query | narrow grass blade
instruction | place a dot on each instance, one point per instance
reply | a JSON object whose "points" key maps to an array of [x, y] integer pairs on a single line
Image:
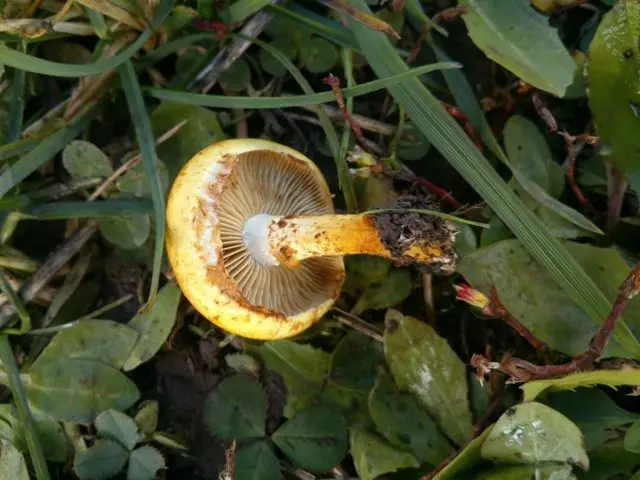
{"points": [[221, 101], [241, 10], [171, 47], [10, 293], [106, 208], [29, 63], [43, 152], [147, 143], [447, 136], [98, 22], [17, 104]]}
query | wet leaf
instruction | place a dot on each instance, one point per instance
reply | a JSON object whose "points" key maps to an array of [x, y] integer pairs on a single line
{"points": [[530, 295], [78, 390], [236, 409], [547, 472], [103, 460], [614, 93], [237, 77], [144, 463], [355, 361], [126, 232], [632, 438], [424, 364], [592, 410], [302, 368], [532, 433], [608, 460], [119, 427], [83, 159], [404, 423], [315, 438], [104, 341], [257, 462], [469, 457], [270, 63], [319, 55], [364, 270], [374, 457], [154, 326], [393, 290], [147, 416], [12, 463], [520, 39]]}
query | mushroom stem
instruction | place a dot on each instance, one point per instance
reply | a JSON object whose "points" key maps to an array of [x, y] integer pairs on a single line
{"points": [[286, 241]]}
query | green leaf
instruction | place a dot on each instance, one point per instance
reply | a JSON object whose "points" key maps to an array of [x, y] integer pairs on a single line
{"points": [[632, 438], [355, 361], [119, 427], [467, 458], [78, 390], [363, 271], [533, 299], [170, 440], [240, 10], [319, 55], [424, 364], [270, 64], [257, 462], [393, 290], [374, 457], [147, 416], [236, 409], [126, 232], [612, 378], [83, 159], [612, 77], [448, 137], [532, 433], [135, 182], [154, 326], [104, 341], [144, 463], [593, 411], [315, 438], [610, 459], [302, 368], [12, 463], [101, 209], [103, 460], [520, 39], [237, 77], [529, 472], [404, 423]]}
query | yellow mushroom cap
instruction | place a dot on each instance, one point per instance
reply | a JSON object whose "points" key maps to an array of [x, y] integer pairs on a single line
{"points": [[216, 192]]}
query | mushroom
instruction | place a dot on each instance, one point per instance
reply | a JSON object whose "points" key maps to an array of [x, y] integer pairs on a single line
{"points": [[255, 244]]}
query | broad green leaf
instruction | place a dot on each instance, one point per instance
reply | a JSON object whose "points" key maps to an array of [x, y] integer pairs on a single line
{"points": [[270, 64], [103, 460], [374, 457], [318, 55], [393, 290], [315, 438], [533, 299], [608, 460], [136, 183], [302, 367], [126, 232], [147, 416], [144, 463], [529, 152], [614, 93], [153, 326], [404, 423], [352, 404], [466, 459], [236, 409], [119, 427], [355, 361], [592, 410], [466, 240], [77, 390], [424, 364], [257, 462], [364, 270], [632, 438], [520, 39], [612, 378], [83, 159], [529, 472], [104, 341], [237, 77], [12, 463], [532, 433]]}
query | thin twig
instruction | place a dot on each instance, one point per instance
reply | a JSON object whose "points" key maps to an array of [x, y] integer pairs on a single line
{"points": [[358, 324]]}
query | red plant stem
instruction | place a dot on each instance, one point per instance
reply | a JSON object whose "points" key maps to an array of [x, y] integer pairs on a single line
{"points": [[571, 171], [334, 83], [461, 117]]}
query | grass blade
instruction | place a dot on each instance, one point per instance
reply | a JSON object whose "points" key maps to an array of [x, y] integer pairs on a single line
{"points": [[106, 208], [221, 101], [147, 144], [447, 136], [241, 10]]}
